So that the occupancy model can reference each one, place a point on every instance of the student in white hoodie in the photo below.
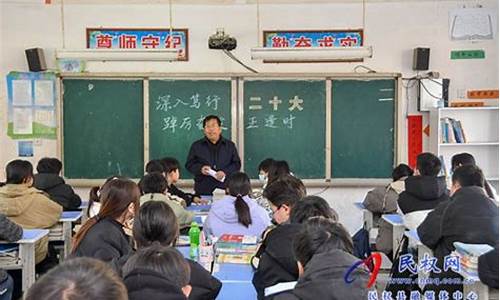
(384, 200)
(236, 213)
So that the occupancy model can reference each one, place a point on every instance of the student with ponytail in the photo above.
(236, 213)
(102, 236)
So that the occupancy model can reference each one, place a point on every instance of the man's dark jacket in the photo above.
(221, 156)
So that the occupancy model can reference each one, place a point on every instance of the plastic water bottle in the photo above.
(194, 240)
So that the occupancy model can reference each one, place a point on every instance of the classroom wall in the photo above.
(393, 28)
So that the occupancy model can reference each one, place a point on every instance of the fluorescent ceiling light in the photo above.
(311, 54)
(119, 54)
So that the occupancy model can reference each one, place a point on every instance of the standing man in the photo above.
(212, 159)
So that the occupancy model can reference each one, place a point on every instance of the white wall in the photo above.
(392, 28)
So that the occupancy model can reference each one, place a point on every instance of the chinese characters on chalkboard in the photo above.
(174, 121)
(295, 104)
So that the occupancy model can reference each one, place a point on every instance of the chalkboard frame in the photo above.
(236, 109)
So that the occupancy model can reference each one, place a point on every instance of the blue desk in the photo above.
(359, 205)
(199, 208)
(200, 220)
(236, 279)
(236, 282)
(66, 221)
(27, 255)
(398, 228)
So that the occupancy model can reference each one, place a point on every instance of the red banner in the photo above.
(414, 139)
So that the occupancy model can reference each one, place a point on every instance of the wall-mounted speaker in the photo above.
(36, 59)
(421, 59)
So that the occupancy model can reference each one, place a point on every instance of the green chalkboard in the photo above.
(176, 112)
(363, 128)
(103, 128)
(285, 120)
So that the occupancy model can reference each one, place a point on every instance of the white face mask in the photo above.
(263, 178)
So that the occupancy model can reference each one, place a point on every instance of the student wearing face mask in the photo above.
(263, 176)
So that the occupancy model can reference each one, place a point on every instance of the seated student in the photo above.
(277, 262)
(264, 170)
(157, 273)
(156, 224)
(487, 268)
(154, 186)
(384, 200)
(323, 249)
(171, 167)
(103, 236)
(423, 192)
(463, 159)
(257, 194)
(155, 165)
(277, 169)
(94, 195)
(49, 181)
(27, 206)
(236, 213)
(282, 204)
(79, 278)
(470, 217)
(10, 232)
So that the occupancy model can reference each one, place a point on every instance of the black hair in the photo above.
(154, 165)
(166, 261)
(402, 170)
(238, 185)
(18, 171)
(95, 191)
(79, 278)
(468, 175)
(312, 206)
(320, 235)
(428, 164)
(153, 183)
(265, 164)
(285, 191)
(115, 198)
(211, 117)
(49, 165)
(170, 164)
(155, 222)
(462, 159)
(277, 169)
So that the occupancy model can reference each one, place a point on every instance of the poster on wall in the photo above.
(472, 24)
(313, 39)
(146, 38)
(31, 99)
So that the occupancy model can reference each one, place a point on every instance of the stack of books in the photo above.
(469, 256)
(452, 131)
(237, 249)
(9, 254)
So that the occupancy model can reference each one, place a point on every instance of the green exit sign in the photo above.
(467, 54)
